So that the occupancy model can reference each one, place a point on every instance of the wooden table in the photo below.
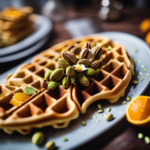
(123, 136)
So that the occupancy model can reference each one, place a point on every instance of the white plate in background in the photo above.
(44, 26)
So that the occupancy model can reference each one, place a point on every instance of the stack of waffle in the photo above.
(59, 106)
(15, 24)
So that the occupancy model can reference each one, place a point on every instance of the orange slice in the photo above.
(138, 111)
(147, 38)
(18, 99)
(145, 25)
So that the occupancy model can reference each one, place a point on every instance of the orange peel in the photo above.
(138, 111)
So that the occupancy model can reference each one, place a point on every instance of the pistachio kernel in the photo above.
(83, 123)
(83, 80)
(70, 71)
(108, 109)
(109, 48)
(50, 145)
(63, 63)
(101, 110)
(52, 85)
(140, 136)
(65, 139)
(147, 140)
(109, 117)
(124, 102)
(134, 82)
(73, 80)
(89, 72)
(37, 138)
(99, 106)
(66, 82)
(56, 74)
(128, 98)
(47, 74)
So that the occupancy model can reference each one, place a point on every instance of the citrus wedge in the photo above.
(138, 111)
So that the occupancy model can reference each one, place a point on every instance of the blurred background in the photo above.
(72, 18)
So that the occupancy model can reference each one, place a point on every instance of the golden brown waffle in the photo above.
(114, 76)
(62, 111)
(15, 24)
(111, 83)
(58, 107)
(30, 75)
(17, 37)
(53, 108)
(6, 94)
(8, 25)
(15, 14)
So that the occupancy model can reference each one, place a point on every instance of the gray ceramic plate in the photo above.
(25, 53)
(44, 26)
(75, 132)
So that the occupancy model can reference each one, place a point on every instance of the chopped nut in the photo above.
(134, 82)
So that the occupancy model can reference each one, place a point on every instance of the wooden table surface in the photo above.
(123, 136)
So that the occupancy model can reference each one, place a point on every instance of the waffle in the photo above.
(30, 75)
(115, 74)
(53, 108)
(5, 107)
(15, 24)
(58, 107)
(15, 14)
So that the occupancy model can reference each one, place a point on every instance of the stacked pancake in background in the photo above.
(15, 24)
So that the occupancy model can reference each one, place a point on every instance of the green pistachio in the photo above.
(108, 109)
(56, 74)
(63, 63)
(73, 80)
(83, 123)
(140, 136)
(89, 72)
(66, 82)
(47, 74)
(85, 62)
(52, 85)
(147, 140)
(38, 138)
(64, 139)
(50, 145)
(134, 82)
(83, 80)
(70, 71)
(109, 117)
